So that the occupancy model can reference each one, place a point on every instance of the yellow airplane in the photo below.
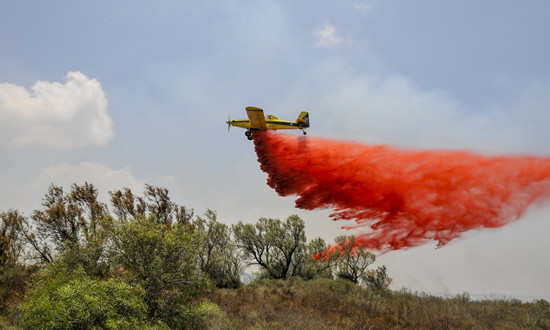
(257, 121)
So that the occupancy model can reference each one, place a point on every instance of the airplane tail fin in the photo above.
(303, 118)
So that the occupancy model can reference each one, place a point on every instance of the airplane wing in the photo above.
(256, 116)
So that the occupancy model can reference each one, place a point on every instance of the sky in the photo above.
(124, 93)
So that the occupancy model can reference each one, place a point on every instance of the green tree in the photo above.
(276, 246)
(319, 260)
(353, 260)
(66, 223)
(163, 261)
(155, 202)
(12, 275)
(377, 280)
(219, 256)
(10, 242)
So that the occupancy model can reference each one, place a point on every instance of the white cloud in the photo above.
(363, 7)
(72, 114)
(327, 36)
(101, 176)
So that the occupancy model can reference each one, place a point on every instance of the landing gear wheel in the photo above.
(247, 133)
(249, 137)
(305, 133)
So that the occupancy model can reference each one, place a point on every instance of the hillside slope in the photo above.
(339, 304)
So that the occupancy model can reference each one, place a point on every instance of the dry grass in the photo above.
(339, 304)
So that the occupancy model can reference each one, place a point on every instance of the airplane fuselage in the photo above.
(257, 121)
(271, 124)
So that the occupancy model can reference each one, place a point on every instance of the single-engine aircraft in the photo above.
(257, 121)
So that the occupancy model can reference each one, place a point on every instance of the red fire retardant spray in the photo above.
(402, 198)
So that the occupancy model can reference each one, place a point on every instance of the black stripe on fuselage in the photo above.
(281, 123)
(267, 122)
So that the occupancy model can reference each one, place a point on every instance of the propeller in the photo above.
(228, 122)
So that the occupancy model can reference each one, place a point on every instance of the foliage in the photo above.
(352, 260)
(162, 260)
(219, 256)
(10, 243)
(6, 324)
(150, 245)
(149, 265)
(66, 223)
(340, 304)
(12, 283)
(12, 274)
(276, 246)
(212, 316)
(318, 260)
(377, 280)
(74, 300)
(155, 202)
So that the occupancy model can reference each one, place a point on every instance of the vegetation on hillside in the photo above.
(340, 304)
(147, 262)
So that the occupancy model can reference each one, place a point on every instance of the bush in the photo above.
(12, 282)
(162, 260)
(77, 301)
(340, 304)
(212, 315)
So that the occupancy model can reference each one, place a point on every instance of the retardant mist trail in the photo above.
(403, 198)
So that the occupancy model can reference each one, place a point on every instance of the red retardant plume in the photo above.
(404, 197)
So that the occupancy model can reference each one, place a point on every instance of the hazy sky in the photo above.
(122, 93)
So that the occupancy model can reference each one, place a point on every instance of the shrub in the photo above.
(163, 261)
(76, 301)
(212, 315)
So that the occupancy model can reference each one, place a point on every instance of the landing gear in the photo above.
(248, 135)
(304, 132)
